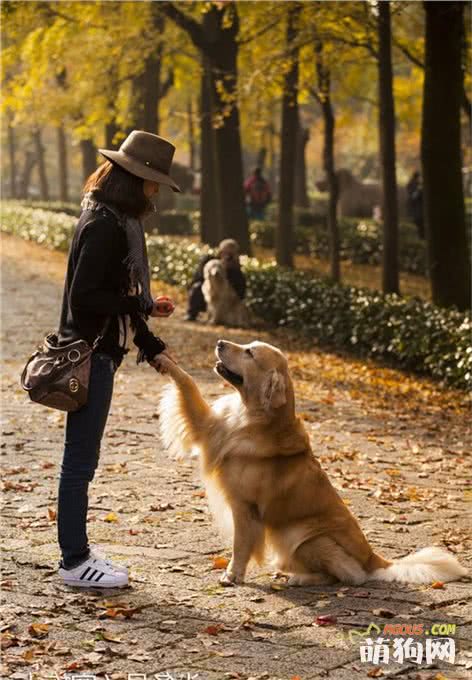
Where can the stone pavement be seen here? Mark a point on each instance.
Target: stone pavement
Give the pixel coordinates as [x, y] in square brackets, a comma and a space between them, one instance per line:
[400, 459]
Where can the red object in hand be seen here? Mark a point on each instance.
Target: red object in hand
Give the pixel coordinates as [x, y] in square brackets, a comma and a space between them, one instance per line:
[163, 306]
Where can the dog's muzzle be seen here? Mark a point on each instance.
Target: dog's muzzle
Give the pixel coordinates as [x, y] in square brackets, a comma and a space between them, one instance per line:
[230, 376]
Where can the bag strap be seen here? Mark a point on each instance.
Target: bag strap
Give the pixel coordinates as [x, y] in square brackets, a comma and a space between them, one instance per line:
[102, 334]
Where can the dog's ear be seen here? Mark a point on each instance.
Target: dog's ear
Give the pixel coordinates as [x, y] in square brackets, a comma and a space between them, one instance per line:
[273, 390]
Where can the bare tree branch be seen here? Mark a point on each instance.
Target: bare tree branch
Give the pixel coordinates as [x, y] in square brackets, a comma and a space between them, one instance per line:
[192, 27]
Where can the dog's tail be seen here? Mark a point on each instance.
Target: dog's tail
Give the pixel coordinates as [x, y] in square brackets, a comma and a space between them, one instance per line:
[425, 566]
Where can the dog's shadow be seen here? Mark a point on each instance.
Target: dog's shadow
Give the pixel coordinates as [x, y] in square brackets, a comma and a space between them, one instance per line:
[352, 611]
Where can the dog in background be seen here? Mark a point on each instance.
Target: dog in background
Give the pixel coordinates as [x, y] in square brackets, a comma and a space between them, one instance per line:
[265, 484]
[223, 303]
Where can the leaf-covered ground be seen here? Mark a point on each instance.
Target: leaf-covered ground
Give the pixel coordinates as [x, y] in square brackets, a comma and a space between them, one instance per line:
[398, 449]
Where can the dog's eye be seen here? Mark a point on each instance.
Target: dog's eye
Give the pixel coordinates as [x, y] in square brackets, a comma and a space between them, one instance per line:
[248, 352]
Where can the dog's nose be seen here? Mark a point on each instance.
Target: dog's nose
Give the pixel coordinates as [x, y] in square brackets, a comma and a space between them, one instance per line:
[220, 345]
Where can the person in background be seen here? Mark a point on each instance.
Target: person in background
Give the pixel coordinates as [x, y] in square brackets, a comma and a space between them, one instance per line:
[414, 192]
[228, 253]
[258, 195]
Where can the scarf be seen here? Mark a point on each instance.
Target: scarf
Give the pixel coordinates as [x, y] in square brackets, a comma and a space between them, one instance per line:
[137, 259]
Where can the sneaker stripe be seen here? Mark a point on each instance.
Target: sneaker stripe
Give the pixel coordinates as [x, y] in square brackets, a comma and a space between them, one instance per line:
[84, 574]
[99, 577]
[89, 578]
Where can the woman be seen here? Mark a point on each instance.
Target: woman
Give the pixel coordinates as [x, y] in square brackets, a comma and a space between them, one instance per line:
[107, 301]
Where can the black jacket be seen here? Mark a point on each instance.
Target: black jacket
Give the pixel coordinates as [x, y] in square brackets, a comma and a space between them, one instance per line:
[96, 288]
[233, 274]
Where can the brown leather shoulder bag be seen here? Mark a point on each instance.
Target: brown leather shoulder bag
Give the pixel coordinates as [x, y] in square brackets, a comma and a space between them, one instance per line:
[58, 376]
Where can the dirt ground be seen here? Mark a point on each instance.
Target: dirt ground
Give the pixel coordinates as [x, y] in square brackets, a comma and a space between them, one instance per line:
[397, 447]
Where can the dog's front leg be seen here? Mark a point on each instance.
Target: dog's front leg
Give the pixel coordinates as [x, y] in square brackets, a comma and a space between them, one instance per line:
[193, 406]
[247, 541]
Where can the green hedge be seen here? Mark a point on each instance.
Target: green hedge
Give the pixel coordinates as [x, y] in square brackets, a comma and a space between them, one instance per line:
[178, 223]
[405, 332]
[360, 241]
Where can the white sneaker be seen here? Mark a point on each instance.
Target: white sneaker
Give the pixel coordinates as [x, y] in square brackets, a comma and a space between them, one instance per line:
[115, 565]
[94, 573]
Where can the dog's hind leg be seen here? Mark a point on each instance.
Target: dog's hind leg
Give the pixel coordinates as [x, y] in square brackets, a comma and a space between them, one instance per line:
[248, 541]
[324, 555]
[317, 579]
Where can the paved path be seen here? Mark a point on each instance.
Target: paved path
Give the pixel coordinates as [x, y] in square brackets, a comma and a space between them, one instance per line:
[396, 447]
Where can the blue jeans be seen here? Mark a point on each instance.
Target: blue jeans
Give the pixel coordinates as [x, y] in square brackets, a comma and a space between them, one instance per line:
[84, 431]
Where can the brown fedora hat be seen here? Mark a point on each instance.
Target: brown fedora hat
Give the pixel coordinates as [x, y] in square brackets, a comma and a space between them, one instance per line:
[145, 155]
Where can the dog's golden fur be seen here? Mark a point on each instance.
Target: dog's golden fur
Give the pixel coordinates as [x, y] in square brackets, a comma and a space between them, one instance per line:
[264, 481]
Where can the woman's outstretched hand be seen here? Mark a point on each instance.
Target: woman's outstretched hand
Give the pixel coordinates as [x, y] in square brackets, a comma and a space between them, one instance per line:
[163, 306]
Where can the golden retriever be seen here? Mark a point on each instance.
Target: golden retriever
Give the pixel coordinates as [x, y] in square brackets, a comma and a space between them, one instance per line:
[223, 303]
[260, 470]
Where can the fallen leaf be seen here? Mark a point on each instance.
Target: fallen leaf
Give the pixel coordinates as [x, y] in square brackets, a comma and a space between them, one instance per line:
[38, 630]
[52, 514]
[213, 629]
[93, 659]
[161, 507]
[110, 637]
[375, 673]
[437, 585]
[8, 640]
[111, 517]
[29, 655]
[141, 657]
[384, 613]
[74, 665]
[220, 563]
[326, 620]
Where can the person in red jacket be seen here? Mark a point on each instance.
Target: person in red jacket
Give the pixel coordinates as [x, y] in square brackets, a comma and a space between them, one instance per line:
[258, 195]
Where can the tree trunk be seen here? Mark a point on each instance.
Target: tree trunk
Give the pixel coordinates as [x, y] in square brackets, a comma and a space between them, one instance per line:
[111, 129]
[147, 87]
[390, 277]
[324, 98]
[284, 235]
[30, 162]
[329, 168]
[12, 160]
[226, 129]
[192, 143]
[210, 223]
[449, 263]
[301, 194]
[89, 157]
[216, 38]
[272, 161]
[62, 165]
[40, 154]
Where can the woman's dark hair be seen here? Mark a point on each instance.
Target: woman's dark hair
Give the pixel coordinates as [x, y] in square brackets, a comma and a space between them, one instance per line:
[113, 184]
